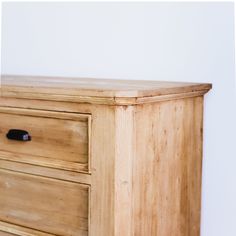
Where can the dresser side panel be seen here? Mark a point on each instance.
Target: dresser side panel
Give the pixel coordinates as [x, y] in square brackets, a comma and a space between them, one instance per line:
[166, 194]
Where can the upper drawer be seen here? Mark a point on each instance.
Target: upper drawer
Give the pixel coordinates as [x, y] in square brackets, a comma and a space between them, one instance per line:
[58, 139]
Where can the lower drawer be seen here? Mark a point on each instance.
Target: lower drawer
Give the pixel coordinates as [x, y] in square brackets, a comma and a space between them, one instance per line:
[44, 204]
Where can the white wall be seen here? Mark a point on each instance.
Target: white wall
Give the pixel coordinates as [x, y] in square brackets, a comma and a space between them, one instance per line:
[158, 41]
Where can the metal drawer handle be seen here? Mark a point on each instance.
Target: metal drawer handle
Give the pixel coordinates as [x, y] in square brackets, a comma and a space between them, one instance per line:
[17, 134]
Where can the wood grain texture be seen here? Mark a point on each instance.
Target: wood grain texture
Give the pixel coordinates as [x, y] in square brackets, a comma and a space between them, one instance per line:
[13, 230]
[45, 171]
[59, 139]
[102, 218]
[44, 204]
[6, 234]
[124, 154]
[97, 91]
[167, 168]
[140, 173]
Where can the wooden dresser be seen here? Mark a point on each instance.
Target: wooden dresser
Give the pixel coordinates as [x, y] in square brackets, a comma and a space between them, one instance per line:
[87, 157]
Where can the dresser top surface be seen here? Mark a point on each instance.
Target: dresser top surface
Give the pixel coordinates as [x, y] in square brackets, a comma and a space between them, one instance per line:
[90, 87]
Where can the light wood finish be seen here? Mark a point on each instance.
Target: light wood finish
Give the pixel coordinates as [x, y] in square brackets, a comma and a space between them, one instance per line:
[59, 139]
[44, 171]
[102, 91]
[38, 203]
[6, 234]
[124, 154]
[141, 172]
[168, 158]
[10, 229]
[102, 219]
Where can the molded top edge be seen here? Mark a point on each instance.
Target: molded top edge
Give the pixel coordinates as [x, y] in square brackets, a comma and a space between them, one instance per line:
[89, 88]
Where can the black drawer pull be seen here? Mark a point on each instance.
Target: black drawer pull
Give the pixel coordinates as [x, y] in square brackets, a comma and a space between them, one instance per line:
[17, 134]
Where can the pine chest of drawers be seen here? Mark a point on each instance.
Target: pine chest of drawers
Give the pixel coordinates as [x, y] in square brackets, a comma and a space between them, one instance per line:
[86, 157]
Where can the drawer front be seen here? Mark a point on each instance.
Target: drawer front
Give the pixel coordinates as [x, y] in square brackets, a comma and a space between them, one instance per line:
[44, 204]
[58, 139]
